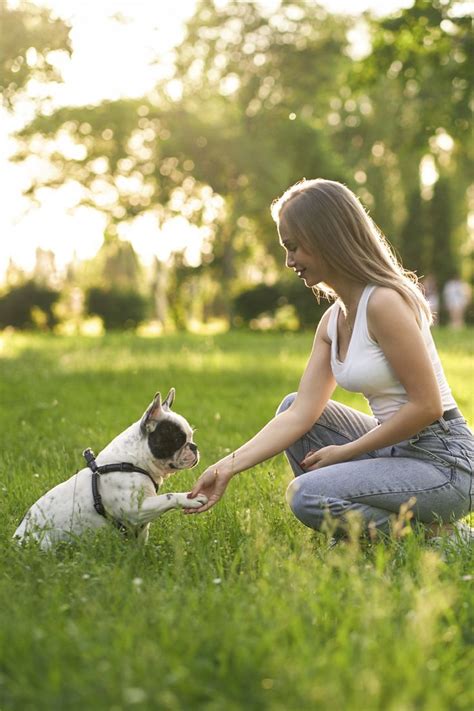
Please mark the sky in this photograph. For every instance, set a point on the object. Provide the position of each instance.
(110, 60)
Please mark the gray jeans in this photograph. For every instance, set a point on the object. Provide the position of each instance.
(435, 467)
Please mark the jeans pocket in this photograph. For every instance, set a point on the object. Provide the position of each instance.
(462, 453)
(431, 448)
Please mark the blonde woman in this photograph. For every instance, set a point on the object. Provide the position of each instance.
(375, 339)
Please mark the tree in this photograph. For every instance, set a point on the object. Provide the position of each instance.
(30, 36)
(248, 123)
(118, 264)
(425, 49)
(260, 100)
(413, 242)
(444, 262)
(417, 82)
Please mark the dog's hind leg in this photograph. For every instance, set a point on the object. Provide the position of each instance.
(143, 532)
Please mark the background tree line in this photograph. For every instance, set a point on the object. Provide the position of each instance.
(257, 102)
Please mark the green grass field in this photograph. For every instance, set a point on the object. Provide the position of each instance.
(239, 608)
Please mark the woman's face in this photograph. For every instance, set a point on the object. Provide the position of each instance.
(308, 266)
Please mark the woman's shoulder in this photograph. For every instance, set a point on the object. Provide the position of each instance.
(325, 325)
(384, 299)
(386, 307)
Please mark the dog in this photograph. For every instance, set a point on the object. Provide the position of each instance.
(121, 486)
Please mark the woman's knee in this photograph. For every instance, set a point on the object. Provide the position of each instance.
(310, 510)
(285, 403)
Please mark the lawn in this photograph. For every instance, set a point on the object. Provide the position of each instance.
(241, 608)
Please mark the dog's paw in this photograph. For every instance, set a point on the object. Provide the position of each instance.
(200, 500)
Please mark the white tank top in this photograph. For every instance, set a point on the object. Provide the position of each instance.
(367, 370)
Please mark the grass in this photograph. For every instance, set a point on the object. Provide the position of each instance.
(240, 608)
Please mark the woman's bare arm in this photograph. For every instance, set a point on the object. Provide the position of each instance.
(316, 387)
(401, 340)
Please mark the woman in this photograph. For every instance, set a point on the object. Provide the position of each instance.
(374, 339)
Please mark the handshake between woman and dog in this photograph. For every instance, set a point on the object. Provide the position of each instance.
(121, 486)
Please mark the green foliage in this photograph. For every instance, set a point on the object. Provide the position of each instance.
(425, 49)
(28, 305)
(118, 308)
(444, 260)
(29, 34)
(410, 91)
(118, 264)
(264, 299)
(241, 144)
(413, 247)
(266, 99)
(254, 302)
(239, 608)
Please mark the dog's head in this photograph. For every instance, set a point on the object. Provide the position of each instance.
(169, 435)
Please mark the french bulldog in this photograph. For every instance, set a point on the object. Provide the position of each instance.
(121, 486)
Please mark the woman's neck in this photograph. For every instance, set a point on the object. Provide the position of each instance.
(349, 293)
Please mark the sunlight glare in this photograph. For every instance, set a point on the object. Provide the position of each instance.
(115, 45)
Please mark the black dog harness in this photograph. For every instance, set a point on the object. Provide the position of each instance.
(97, 470)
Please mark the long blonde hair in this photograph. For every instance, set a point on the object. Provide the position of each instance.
(325, 215)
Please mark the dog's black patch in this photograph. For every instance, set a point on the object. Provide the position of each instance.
(166, 439)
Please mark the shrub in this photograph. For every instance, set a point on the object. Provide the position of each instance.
(118, 308)
(262, 300)
(254, 302)
(28, 306)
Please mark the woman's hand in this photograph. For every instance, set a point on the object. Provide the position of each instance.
(212, 483)
(324, 457)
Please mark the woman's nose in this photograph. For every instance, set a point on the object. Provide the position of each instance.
(290, 262)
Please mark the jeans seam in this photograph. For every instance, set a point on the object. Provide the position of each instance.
(403, 491)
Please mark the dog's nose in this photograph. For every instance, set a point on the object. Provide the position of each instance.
(193, 447)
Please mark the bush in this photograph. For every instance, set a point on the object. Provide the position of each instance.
(28, 306)
(263, 300)
(254, 302)
(118, 308)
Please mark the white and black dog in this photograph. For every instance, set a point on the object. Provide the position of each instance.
(121, 486)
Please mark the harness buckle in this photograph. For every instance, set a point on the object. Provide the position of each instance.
(89, 456)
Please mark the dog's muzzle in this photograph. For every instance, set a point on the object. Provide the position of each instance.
(184, 460)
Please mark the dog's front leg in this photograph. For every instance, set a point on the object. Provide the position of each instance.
(153, 506)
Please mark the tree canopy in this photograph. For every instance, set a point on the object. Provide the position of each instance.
(260, 100)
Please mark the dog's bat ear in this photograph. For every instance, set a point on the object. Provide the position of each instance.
(169, 398)
(152, 414)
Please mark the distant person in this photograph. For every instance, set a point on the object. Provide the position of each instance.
(430, 289)
(374, 339)
(456, 297)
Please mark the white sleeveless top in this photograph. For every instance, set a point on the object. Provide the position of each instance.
(367, 370)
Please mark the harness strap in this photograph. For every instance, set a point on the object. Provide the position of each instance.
(96, 470)
(124, 467)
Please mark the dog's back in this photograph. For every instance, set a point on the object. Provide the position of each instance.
(61, 512)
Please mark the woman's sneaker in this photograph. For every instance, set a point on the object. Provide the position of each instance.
(460, 537)
(462, 533)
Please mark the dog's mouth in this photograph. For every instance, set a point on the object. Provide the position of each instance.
(186, 464)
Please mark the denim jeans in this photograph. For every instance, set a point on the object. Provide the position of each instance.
(435, 468)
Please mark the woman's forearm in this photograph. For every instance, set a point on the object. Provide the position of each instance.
(410, 419)
(272, 439)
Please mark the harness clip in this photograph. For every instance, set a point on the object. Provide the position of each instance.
(89, 456)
